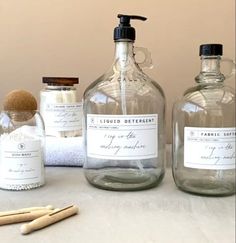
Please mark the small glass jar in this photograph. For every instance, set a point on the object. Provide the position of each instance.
(21, 150)
(59, 107)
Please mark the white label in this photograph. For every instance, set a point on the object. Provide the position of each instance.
(62, 117)
(209, 148)
(122, 137)
(20, 162)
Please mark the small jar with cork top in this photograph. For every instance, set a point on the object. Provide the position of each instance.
(21, 142)
(59, 107)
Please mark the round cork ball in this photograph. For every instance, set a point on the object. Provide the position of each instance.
(19, 100)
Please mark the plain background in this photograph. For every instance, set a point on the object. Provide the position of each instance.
(75, 38)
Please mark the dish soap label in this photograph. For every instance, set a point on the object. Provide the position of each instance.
(62, 117)
(20, 162)
(122, 137)
(209, 148)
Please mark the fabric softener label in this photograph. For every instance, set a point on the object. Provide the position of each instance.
(209, 148)
(122, 137)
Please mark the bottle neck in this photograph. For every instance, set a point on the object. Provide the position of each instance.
(210, 70)
(59, 87)
(124, 53)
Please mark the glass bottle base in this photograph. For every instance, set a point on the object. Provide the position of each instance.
(207, 188)
(123, 179)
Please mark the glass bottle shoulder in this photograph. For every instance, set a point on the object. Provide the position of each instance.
(207, 95)
(110, 85)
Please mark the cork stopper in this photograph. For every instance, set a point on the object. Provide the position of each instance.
(21, 104)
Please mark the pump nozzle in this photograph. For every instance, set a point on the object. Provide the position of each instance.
(124, 30)
(125, 19)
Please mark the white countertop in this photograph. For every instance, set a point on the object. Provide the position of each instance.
(159, 215)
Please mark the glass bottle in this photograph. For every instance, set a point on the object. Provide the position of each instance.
(204, 131)
(21, 150)
(59, 107)
(124, 121)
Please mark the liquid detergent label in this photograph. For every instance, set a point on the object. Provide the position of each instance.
(122, 137)
(209, 148)
(62, 117)
(20, 162)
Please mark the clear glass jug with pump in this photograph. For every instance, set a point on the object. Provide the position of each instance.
(124, 121)
(204, 130)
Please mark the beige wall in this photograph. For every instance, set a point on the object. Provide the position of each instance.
(74, 38)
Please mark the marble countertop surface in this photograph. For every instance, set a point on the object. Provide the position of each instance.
(158, 215)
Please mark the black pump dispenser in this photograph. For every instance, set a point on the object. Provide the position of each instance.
(124, 30)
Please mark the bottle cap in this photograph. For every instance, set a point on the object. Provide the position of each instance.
(64, 81)
(125, 30)
(211, 50)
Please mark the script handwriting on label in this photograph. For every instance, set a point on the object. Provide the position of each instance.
(113, 142)
(209, 148)
(122, 136)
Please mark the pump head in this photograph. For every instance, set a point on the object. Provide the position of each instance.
(125, 30)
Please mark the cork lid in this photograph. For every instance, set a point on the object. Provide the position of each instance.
(61, 81)
(20, 104)
(19, 100)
